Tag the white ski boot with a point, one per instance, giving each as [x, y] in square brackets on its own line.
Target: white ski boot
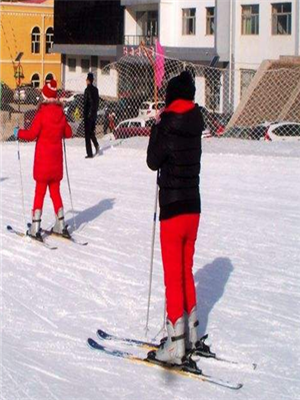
[35, 228]
[172, 351]
[60, 228]
[193, 323]
[194, 344]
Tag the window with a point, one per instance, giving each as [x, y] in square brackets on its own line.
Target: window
[282, 19]
[72, 64]
[287, 130]
[210, 20]
[246, 78]
[147, 23]
[189, 21]
[105, 70]
[250, 20]
[35, 40]
[49, 39]
[160, 105]
[149, 123]
[85, 65]
[35, 81]
[135, 125]
[49, 77]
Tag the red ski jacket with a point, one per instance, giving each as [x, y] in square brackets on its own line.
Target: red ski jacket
[49, 127]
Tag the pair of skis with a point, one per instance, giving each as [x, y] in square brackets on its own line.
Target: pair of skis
[188, 370]
[45, 233]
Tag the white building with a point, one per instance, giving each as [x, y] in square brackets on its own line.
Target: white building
[185, 28]
[233, 34]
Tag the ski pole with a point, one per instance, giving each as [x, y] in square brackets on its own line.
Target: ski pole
[21, 185]
[163, 328]
[152, 257]
[69, 185]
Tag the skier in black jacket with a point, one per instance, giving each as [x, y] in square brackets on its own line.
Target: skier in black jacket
[175, 150]
[91, 105]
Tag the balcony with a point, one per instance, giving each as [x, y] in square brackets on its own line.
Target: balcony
[136, 40]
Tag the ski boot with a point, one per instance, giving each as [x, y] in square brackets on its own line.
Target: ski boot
[195, 346]
[60, 228]
[172, 350]
[35, 228]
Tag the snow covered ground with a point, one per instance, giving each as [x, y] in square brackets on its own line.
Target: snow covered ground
[247, 272]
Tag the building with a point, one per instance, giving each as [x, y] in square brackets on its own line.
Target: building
[251, 31]
[28, 27]
[87, 35]
[116, 28]
[233, 35]
[185, 28]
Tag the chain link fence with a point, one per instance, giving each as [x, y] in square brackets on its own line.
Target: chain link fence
[244, 104]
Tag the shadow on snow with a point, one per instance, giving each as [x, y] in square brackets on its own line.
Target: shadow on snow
[210, 284]
[91, 213]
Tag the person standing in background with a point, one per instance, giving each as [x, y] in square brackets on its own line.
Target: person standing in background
[48, 129]
[91, 105]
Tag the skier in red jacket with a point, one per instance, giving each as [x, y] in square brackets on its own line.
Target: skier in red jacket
[49, 127]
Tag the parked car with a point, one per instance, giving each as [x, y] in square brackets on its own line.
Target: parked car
[237, 132]
[8, 108]
[206, 134]
[64, 95]
[282, 131]
[29, 117]
[148, 108]
[74, 109]
[127, 107]
[27, 95]
[6, 93]
[134, 127]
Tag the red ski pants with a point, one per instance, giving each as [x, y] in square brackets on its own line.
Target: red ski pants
[40, 192]
[178, 236]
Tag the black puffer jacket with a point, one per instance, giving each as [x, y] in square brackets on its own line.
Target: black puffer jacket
[175, 149]
[91, 102]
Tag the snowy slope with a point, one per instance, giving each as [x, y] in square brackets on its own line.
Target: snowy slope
[246, 270]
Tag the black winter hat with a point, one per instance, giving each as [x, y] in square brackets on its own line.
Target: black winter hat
[180, 87]
[90, 77]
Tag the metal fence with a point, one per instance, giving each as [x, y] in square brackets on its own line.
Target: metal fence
[245, 104]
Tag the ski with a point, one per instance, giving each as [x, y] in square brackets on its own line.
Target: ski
[177, 370]
[153, 346]
[24, 235]
[56, 235]
[70, 239]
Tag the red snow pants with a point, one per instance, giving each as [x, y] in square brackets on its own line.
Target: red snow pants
[40, 192]
[178, 236]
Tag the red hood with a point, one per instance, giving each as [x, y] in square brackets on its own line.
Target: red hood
[180, 106]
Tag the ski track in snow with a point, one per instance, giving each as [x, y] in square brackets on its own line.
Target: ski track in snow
[246, 272]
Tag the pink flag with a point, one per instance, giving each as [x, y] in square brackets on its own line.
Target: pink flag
[159, 64]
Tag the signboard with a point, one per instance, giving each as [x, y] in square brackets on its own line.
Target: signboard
[136, 51]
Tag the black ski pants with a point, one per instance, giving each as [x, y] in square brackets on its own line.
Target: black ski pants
[89, 131]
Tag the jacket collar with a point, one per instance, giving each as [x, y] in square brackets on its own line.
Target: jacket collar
[180, 106]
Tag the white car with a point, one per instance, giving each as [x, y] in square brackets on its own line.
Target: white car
[134, 127]
[147, 109]
[282, 131]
